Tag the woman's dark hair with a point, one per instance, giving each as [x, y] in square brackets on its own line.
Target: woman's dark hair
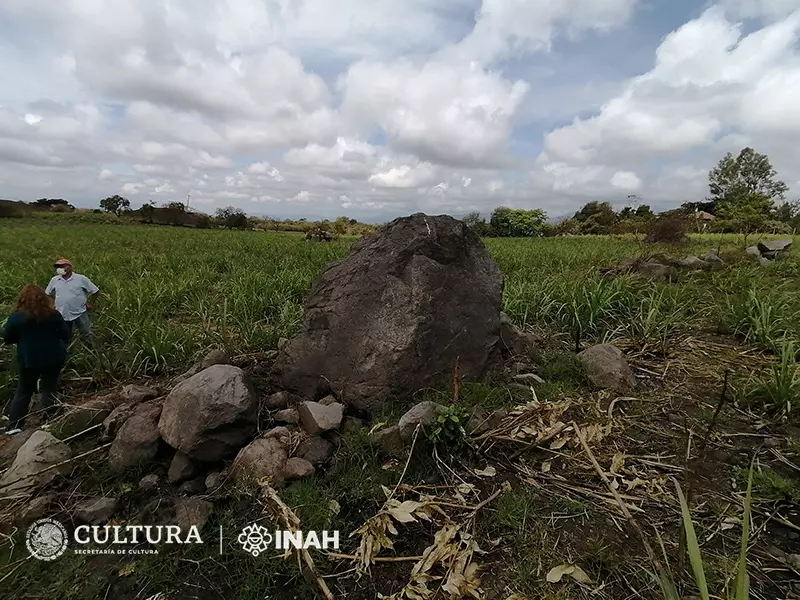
[34, 302]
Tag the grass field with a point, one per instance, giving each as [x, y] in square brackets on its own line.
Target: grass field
[169, 294]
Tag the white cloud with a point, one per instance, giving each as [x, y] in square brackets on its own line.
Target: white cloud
[404, 176]
[626, 180]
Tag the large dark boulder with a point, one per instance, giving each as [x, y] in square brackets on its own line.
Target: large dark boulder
[394, 316]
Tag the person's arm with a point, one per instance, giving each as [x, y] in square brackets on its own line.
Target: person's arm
[91, 289]
[50, 290]
[63, 330]
[11, 330]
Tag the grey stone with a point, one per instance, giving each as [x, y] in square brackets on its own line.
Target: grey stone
[137, 441]
[213, 481]
[193, 486]
[328, 400]
[192, 512]
[764, 262]
[753, 251]
[714, 261]
[211, 415]
[774, 245]
[281, 433]
[264, 457]
[282, 343]
[134, 393]
[41, 451]
[481, 422]
[96, 510]
[694, 262]
[607, 368]
[390, 441]
[315, 450]
[656, 271]
[115, 420]
[149, 482]
[297, 468]
[288, 415]
[80, 418]
[383, 323]
[182, 468]
[425, 414]
[35, 509]
[215, 357]
[316, 418]
[278, 401]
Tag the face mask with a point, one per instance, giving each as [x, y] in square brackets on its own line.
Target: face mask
[61, 271]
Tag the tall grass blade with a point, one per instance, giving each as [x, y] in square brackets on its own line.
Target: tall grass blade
[742, 585]
[692, 547]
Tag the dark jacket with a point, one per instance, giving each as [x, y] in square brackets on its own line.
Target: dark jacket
[40, 343]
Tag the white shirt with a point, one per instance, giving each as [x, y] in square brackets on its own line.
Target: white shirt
[71, 294]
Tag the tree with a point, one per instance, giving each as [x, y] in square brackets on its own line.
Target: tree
[644, 212]
[788, 212]
[232, 218]
[115, 204]
[509, 222]
[147, 212]
[749, 179]
[602, 210]
[477, 223]
[175, 206]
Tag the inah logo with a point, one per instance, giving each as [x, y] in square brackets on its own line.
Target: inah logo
[256, 539]
[46, 539]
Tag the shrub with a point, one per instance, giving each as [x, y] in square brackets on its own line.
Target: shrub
[668, 229]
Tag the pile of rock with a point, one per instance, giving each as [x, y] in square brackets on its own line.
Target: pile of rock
[768, 250]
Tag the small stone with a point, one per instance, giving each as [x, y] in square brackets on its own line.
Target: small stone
[114, 422]
[80, 418]
[193, 486]
[317, 418]
[192, 512]
[297, 468]
[182, 468]
[351, 424]
[281, 433]
[424, 414]
[390, 441]
[277, 401]
[264, 457]
[34, 464]
[214, 480]
[282, 342]
[774, 245]
[96, 510]
[315, 450]
[694, 262]
[676, 419]
[753, 251]
[328, 400]
[288, 415]
[607, 368]
[148, 482]
[715, 261]
[528, 378]
[138, 393]
[764, 262]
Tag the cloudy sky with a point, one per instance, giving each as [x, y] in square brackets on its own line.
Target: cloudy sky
[377, 108]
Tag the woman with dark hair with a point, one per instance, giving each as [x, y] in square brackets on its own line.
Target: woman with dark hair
[41, 336]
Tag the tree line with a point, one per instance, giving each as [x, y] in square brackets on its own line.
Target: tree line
[745, 197]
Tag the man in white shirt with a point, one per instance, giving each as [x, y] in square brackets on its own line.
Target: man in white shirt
[71, 291]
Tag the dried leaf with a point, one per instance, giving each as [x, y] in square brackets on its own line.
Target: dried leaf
[546, 466]
[557, 444]
[334, 507]
[557, 573]
[127, 569]
[489, 471]
[617, 463]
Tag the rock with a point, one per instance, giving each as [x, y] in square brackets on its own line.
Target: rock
[297, 468]
[96, 510]
[115, 420]
[607, 368]
[753, 251]
[288, 415]
[278, 401]
[42, 450]
[316, 418]
[264, 457]
[694, 262]
[512, 340]
[80, 418]
[182, 468]
[713, 260]
[424, 413]
[774, 245]
[213, 481]
[281, 433]
[133, 394]
[676, 419]
[350, 424]
[148, 482]
[193, 487]
[328, 400]
[528, 378]
[764, 262]
[655, 271]
[282, 343]
[211, 415]
[315, 450]
[137, 441]
[33, 510]
[192, 512]
[383, 323]
[215, 357]
[12, 443]
[390, 441]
